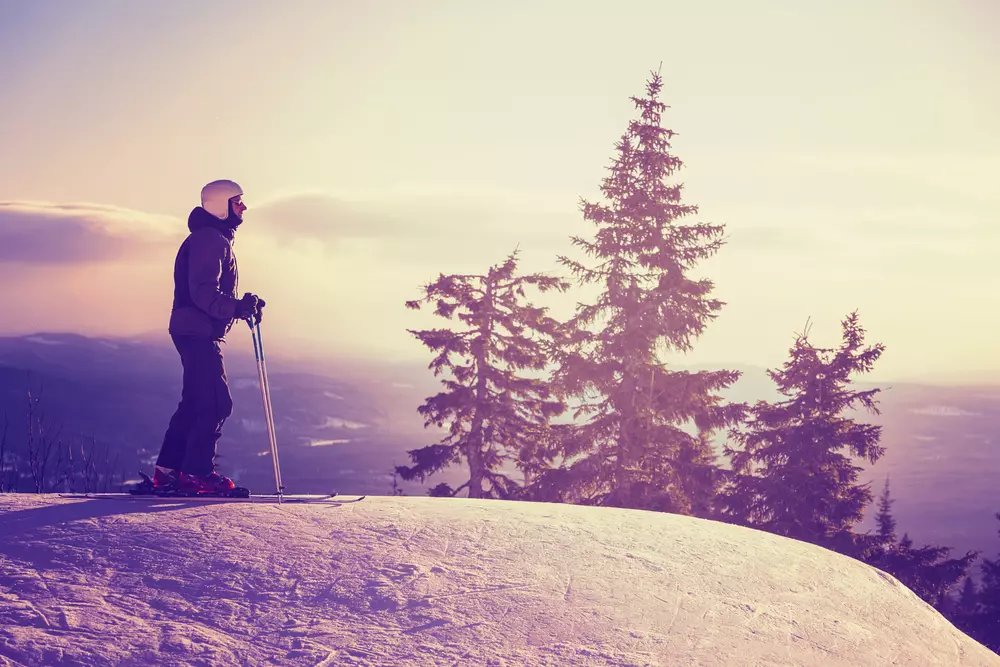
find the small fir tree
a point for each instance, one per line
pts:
(494, 415)
(790, 475)
(968, 599)
(884, 519)
(927, 570)
(987, 621)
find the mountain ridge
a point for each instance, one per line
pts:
(347, 426)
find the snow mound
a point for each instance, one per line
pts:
(431, 581)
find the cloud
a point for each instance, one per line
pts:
(858, 208)
(865, 232)
(330, 217)
(321, 217)
(942, 180)
(443, 231)
(48, 233)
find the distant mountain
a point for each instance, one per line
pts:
(332, 432)
(344, 425)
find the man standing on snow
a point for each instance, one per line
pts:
(204, 310)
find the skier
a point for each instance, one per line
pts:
(204, 310)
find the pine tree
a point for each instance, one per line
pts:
(988, 620)
(877, 549)
(790, 477)
(927, 571)
(699, 478)
(632, 449)
(884, 518)
(968, 600)
(495, 415)
(964, 611)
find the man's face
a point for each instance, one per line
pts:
(238, 206)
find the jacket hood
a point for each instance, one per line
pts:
(201, 218)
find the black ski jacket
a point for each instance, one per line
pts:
(206, 279)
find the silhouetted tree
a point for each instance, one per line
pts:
(963, 610)
(494, 414)
(790, 477)
(85, 468)
(986, 625)
(43, 440)
(639, 446)
(884, 518)
(698, 476)
(6, 477)
(927, 571)
(396, 491)
(968, 599)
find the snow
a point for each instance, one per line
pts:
(434, 581)
(338, 422)
(944, 411)
(255, 425)
(326, 443)
(41, 340)
(244, 383)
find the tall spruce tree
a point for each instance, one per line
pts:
(494, 415)
(790, 476)
(636, 447)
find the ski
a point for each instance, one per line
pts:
(332, 499)
(144, 490)
(147, 488)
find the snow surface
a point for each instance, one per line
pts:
(338, 422)
(432, 581)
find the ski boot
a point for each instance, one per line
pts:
(212, 484)
(165, 482)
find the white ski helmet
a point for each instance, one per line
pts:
(216, 195)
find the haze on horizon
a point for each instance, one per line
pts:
(851, 151)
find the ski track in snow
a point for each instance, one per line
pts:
(431, 581)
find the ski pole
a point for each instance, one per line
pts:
(265, 391)
(270, 412)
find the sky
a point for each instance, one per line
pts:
(851, 151)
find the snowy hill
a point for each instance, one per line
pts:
(430, 581)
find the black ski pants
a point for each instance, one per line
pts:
(189, 444)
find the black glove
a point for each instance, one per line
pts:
(246, 307)
(259, 315)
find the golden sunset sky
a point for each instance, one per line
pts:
(851, 149)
